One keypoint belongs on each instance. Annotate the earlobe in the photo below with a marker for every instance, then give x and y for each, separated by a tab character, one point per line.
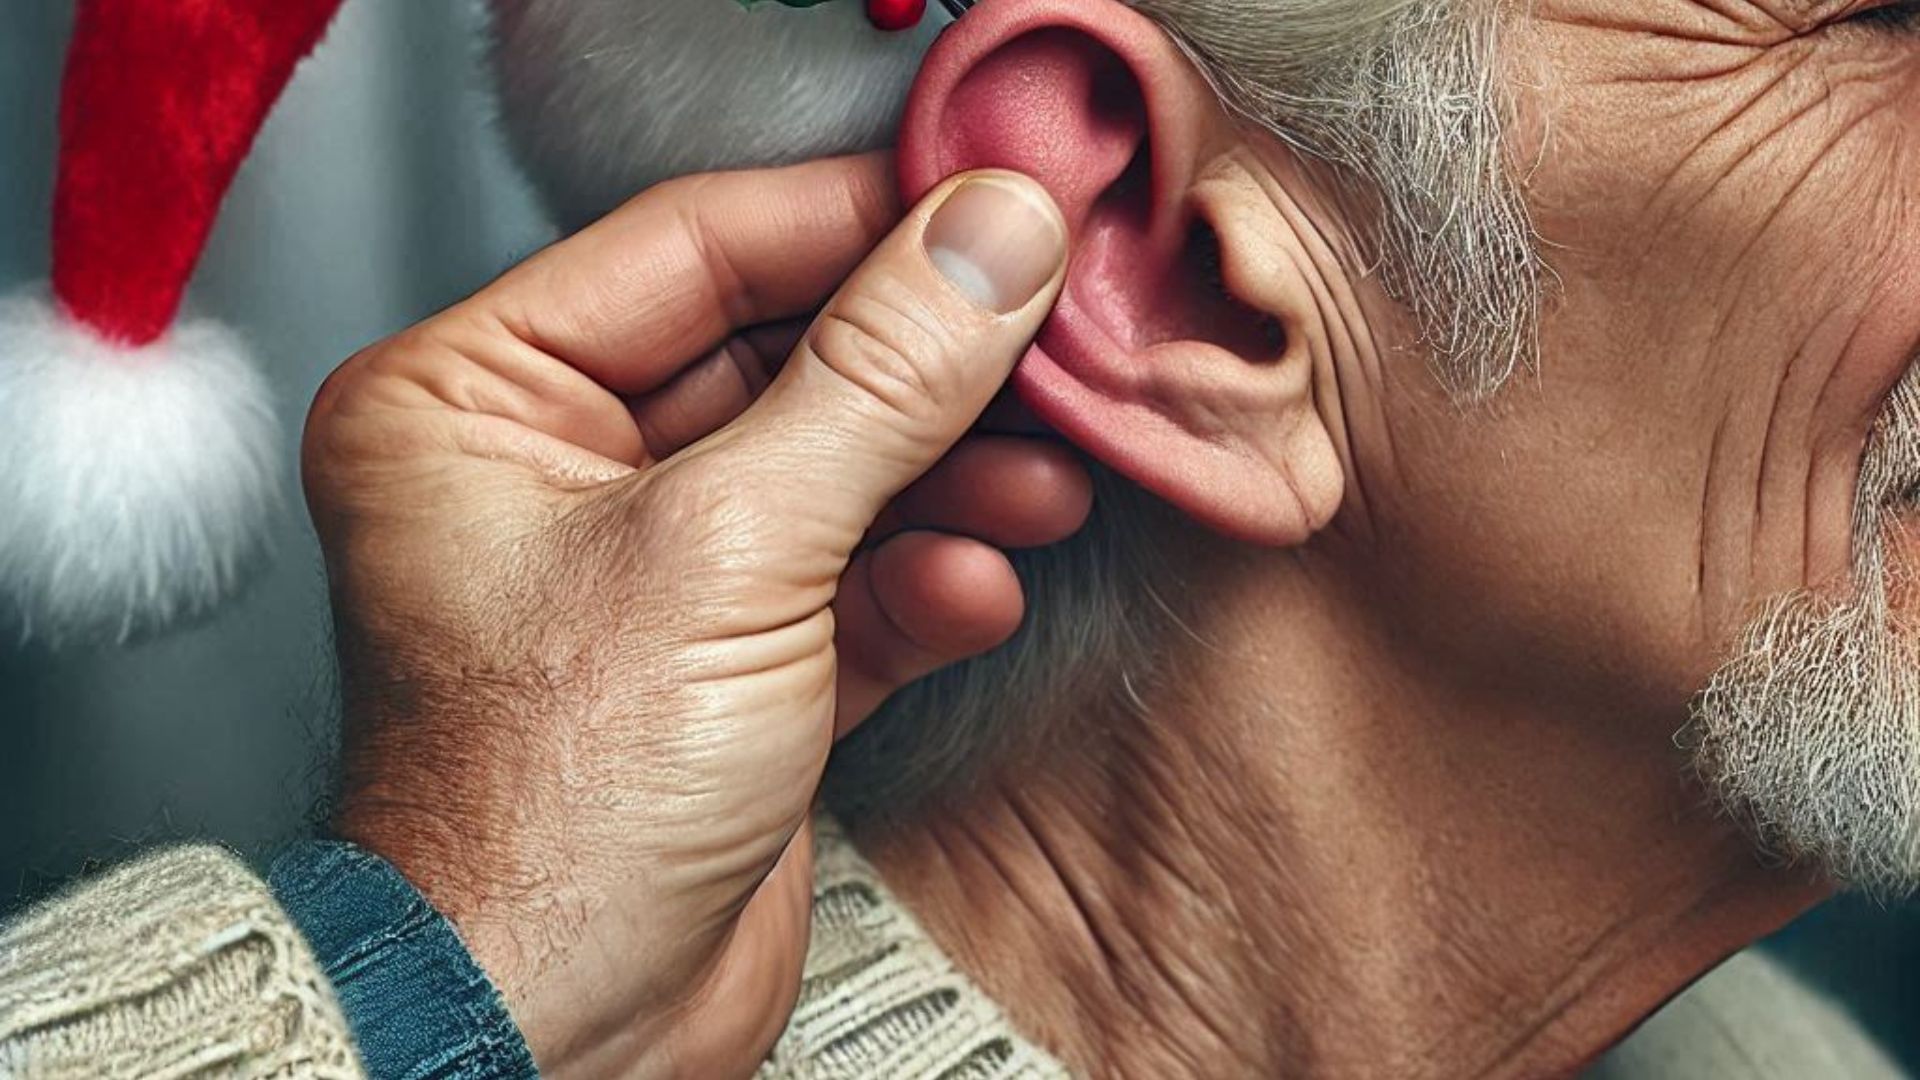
1154	361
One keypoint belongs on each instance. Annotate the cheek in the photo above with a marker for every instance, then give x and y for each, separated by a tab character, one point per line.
1737	291
1737	260
1545	548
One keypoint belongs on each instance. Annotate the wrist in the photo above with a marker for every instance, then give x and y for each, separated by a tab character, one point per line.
442	863
519	923
413	994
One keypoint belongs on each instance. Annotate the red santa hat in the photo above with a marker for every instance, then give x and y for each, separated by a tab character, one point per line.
139	458
140	455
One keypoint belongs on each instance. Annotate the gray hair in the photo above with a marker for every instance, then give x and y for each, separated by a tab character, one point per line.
1407	95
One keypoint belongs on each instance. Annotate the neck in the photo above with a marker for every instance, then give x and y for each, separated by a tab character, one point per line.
1360	872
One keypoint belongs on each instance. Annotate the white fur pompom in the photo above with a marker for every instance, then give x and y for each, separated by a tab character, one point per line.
135	483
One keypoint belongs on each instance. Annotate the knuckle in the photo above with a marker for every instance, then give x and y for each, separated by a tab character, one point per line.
683	188
730	290
334	398
347	411
890	347
672	192
349	384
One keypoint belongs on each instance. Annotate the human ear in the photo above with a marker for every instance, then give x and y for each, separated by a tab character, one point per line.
1179	354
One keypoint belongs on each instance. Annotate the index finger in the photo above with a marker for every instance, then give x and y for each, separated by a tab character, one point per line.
666	278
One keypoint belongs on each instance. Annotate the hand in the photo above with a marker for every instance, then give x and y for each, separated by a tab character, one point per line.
607	581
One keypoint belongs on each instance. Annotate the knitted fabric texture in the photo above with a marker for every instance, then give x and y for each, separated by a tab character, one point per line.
879	999
182	965
178	964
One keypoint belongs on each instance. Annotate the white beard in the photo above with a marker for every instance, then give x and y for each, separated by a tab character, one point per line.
1811	733
605	97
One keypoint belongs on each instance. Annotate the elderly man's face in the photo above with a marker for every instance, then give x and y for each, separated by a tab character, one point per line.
1728	193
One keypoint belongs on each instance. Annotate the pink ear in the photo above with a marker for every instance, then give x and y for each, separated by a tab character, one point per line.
1077	124
1089	98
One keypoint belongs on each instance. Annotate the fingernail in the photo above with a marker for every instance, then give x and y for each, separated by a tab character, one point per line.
996	242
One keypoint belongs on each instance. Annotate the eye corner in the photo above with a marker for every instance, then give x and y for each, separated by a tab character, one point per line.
1899	15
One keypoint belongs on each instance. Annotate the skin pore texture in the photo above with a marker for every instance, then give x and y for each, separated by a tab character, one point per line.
1383	779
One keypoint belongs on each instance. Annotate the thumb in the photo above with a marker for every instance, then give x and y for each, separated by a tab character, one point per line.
905	356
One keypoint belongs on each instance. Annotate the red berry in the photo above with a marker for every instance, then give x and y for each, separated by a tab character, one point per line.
896	14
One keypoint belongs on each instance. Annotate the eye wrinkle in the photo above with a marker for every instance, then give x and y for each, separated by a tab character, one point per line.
1903	16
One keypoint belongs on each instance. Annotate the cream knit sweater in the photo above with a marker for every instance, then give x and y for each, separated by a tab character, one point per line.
181	965
879	999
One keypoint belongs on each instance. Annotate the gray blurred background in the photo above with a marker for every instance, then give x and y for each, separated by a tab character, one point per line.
380	191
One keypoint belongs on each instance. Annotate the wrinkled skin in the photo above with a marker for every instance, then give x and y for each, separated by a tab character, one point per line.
1513	602
1729	203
